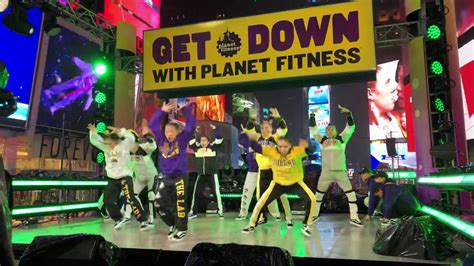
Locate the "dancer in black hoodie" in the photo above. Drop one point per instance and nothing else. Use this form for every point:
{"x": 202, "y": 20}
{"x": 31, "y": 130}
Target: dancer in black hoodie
{"x": 205, "y": 153}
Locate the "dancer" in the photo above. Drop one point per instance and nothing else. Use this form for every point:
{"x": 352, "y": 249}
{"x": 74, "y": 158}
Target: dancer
{"x": 207, "y": 167}
{"x": 398, "y": 201}
{"x": 265, "y": 174}
{"x": 144, "y": 170}
{"x": 372, "y": 178}
{"x": 116, "y": 147}
{"x": 333, "y": 150}
{"x": 250, "y": 184}
{"x": 287, "y": 165}
{"x": 172, "y": 143}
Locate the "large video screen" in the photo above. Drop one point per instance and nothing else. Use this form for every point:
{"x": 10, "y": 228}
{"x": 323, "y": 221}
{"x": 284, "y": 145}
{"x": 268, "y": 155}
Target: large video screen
{"x": 390, "y": 112}
{"x": 68, "y": 84}
{"x": 318, "y": 100}
{"x": 19, "y": 53}
{"x": 465, "y": 33}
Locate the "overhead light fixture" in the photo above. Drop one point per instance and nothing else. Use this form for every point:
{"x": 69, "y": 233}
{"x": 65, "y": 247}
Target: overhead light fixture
{"x": 50, "y": 25}
{"x": 17, "y": 20}
{"x": 4, "y": 5}
{"x": 8, "y": 103}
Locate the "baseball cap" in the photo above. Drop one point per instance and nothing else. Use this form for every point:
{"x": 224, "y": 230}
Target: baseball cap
{"x": 365, "y": 170}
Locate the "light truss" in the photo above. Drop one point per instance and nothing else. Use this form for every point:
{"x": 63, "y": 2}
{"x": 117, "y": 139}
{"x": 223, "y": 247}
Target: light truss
{"x": 78, "y": 15}
{"x": 396, "y": 34}
{"x": 132, "y": 64}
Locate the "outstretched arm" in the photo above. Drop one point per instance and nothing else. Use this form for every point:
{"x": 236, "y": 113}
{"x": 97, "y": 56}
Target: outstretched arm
{"x": 282, "y": 129}
{"x": 149, "y": 146}
{"x": 194, "y": 144}
{"x": 313, "y": 128}
{"x": 190, "y": 122}
{"x": 346, "y": 134}
{"x": 218, "y": 138}
{"x": 158, "y": 118}
{"x": 95, "y": 139}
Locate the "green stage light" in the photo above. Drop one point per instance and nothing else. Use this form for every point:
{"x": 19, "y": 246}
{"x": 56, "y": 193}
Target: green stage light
{"x": 402, "y": 175}
{"x": 101, "y": 127}
{"x": 236, "y": 196}
{"x": 100, "y": 98}
{"x": 35, "y": 211}
{"x": 439, "y": 105}
{"x": 456, "y": 223}
{"x": 433, "y": 32}
{"x": 57, "y": 183}
{"x": 100, "y": 157}
{"x": 436, "y": 68}
{"x": 100, "y": 69}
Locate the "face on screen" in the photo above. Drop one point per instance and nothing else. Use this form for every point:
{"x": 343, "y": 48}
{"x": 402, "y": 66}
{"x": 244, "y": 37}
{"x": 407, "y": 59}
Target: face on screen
{"x": 383, "y": 93}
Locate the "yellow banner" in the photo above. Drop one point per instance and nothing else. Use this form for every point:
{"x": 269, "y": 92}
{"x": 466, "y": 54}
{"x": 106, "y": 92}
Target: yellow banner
{"x": 303, "y": 44}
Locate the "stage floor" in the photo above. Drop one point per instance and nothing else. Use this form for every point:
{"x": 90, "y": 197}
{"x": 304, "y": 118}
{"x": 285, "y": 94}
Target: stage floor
{"x": 332, "y": 236}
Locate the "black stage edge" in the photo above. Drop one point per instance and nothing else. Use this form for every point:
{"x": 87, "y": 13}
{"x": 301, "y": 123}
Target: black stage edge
{"x": 175, "y": 257}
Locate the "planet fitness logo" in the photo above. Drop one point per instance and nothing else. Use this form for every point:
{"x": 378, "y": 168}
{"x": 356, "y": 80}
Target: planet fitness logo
{"x": 229, "y": 44}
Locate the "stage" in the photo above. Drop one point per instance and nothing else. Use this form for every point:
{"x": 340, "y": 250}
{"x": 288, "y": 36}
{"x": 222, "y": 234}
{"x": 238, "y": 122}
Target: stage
{"x": 332, "y": 237}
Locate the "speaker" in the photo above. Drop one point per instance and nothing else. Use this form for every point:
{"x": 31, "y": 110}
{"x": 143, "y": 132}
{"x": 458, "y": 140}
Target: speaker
{"x": 391, "y": 150}
{"x": 71, "y": 250}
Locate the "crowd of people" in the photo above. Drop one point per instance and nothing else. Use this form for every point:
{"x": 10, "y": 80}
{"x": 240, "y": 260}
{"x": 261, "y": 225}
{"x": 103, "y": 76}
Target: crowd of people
{"x": 275, "y": 169}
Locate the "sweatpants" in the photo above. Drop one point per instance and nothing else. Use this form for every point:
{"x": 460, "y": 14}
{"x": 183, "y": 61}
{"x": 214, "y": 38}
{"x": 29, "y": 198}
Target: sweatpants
{"x": 202, "y": 182}
{"x": 170, "y": 202}
{"x": 276, "y": 190}
{"x": 265, "y": 177}
{"x": 247, "y": 192}
{"x": 112, "y": 194}
{"x": 341, "y": 178}
{"x": 139, "y": 183}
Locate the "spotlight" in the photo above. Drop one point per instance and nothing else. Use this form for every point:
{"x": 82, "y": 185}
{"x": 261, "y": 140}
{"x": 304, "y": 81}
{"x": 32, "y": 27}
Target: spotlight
{"x": 7, "y": 103}
{"x": 17, "y": 20}
{"x": 100, "y": 69}
{"x": 51, "y": 26}
{"x": 100, "y": 98}
{"x": 4, "y": 5}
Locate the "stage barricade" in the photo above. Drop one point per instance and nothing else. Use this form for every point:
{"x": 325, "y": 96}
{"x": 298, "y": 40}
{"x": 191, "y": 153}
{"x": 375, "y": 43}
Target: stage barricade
{"x": 72, "y": 250}
{"x": 235, "y": 254}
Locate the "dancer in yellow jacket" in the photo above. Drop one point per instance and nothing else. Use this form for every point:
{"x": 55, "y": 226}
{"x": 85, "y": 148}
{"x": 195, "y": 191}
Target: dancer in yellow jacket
{"x": 265, "y": 174}
{"x": 287, "y": 166}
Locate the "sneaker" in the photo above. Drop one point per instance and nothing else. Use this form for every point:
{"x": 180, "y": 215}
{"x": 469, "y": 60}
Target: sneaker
{"x": 192, "y": 216}
{"x": 356, "y": 222}
{"x": 171, "y": 232}
{"x": 262, "y": 220}
{"x": 145, "y": 226}
{"x": 179, "y": 235}
{"x": 314, "y": 220}
{"x": 121, "y": 223}
{"x": 305, "y": 230}
{"x": 221, "y": 216}
{"x": 241, "y": 217}
{"x": 289, "y": 224}
{"x": 248, "y": 229}
{"x": 278, "y": 219}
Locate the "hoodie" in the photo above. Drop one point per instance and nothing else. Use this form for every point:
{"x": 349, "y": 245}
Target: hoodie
{"x": 173, "y": 157}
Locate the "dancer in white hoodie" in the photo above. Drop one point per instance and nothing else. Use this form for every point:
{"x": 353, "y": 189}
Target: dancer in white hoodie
{"x": 333, "y": 149}
{"x": 117, "y": 145}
